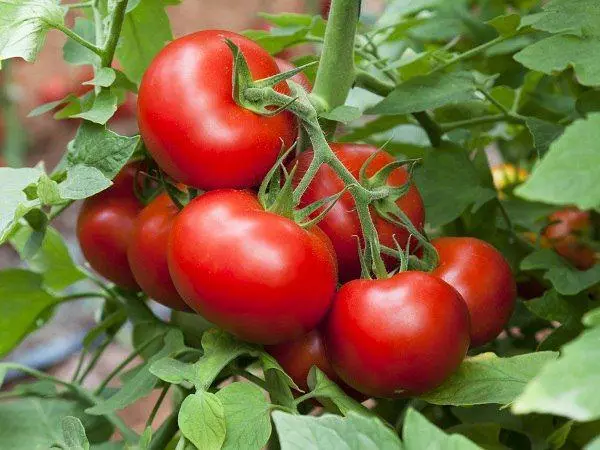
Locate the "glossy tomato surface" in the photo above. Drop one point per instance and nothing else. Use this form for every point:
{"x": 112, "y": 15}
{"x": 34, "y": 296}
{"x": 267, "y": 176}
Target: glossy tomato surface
{"x": 284, "y": 66}
{"x": 253, "y": 273}
{"x": 341, "y": 224}
{"x": 192, "y": 126}
{"x": 397, "y": 336}
{"x": 105, "y": 226}
{"x": 567, "y": 227}
{"x": 147, "y": 252}
{"x": 483, "y": 278}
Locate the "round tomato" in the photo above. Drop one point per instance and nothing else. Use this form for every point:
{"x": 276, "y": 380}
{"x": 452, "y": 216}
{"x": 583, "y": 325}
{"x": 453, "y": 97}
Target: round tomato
{"x": 147, "y": 252}
{"x": 253, "y": 273}
{"x": 299, "y": 355}
{"x": 105, "y": 226}
{"x": 190, "y": 122}
{"x": 341, "y": 223}
{"x": 563, "y": 234}
{"x": 483, "y": 278}
{"x": 401, "y": 335}
{"x": 285, "y": 66}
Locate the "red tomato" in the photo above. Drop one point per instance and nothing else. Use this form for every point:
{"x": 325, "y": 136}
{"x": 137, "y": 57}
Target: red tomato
{"x": 404, "y": 334}
{"x": 482, "y": 276}
{"x": 105, "y": 226}
{"x": 564, "y": 236}
{"x": 285, "y": 66}
{"x": 298, "y": 356}
{"x": 59, "y": 86}
{"x": 341, "y": 224}
{"x": 192, "y": 126}
{"x": 255, "y": 274}
{"x": 325, "y": 7}
{"x": 147, "y": 252}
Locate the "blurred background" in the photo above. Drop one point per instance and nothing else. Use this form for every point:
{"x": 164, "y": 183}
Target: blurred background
{"x": 26, "y": 141}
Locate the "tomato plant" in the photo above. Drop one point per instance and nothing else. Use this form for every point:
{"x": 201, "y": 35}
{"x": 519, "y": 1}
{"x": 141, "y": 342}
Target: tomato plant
{"x": 397, "y": 250}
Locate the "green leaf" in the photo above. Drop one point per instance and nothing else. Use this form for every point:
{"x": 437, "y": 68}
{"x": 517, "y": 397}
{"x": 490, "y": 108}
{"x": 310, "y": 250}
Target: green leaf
{"x": 575, "y": 43}
{"x": 76, "y": 53}
{"x": 486, "y": 378}
{"x": 354, "y": 432}
{"x": 103, "y": 108}
{"x": 344, "y": 114}
{"x": 95, "y": 146}
{"x": 553, "y": 306}
{"x": 47, "y": 191}
{"x": 269, "y": 363}
{"x": 172, "y": 371}
{"x": 573, "y": 153}
{"x": 36, "y": 423}
{"x": 202, "y": 420}
{"x": 24, "y": 24}
{"x": 22, "y": 300}
{"x": 419, "y": 434}
{"x": 568, "y": 386}
{"x": 449, "y": 170}
{"x": 566, "y": 279}
{"x": 50, "y": 106}
{"x": 13, "y": 201}
{"x": 82, "y": 181}
{"x": 220, "y": 348}
{"x": 506, "y": 25}
{"x": 247, "y": 416}
{"x": 135, "y": 52}
{"x": 279, "y": 388}
{"x": 588, "y": 102}
{"x": 52, "y": 261}
{"x": 427, "y": 92}
{"x": 74, "y": 434}
{"x": 105, "y": 77}
{"x": 330, "y": 393}
{"x": 143, "y": 382}
{"x": 543, "y": 133}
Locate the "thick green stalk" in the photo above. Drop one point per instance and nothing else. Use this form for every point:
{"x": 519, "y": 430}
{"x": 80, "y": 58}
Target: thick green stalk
{"x": 335, "y": 75}
{"x": 114, "y": 33}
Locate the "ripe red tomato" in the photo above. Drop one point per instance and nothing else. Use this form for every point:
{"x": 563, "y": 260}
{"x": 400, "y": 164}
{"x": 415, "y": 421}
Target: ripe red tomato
{"x": 483, "y": 278}
{"x": 341, "y": 224}
{"x": 404, "y": 334}
{"x": 105, "y": 226}
{"x": 192, "y": 126}
{"x": 564, "y": 236}
{"x": 285, "y": 66}
{"x": 147, "y": 252}
{"x": 255, "y": 274}
{"x": 299, "y": 355}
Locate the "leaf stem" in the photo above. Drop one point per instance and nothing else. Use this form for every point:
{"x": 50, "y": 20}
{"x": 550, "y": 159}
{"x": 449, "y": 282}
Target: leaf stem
{"x": 161, "y": 397}
{"x": 511, "y": 118}
{"x": 71, "y": 34}
{"x": 469, "y": 53}
{"x": 495, "y": 102}
{"x": 97, "y": 355}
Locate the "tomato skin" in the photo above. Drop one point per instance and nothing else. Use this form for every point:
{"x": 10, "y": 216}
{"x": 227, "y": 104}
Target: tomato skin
{"x": 299, "y": 355}
{"x": 405, "y": 333}
{"x": 192, "y": 126}
{"x": 147, "y": 252}
{"x": 285, "y": 66}
{"x": 255, "y": 274}
{"x": 563, "y": 236}
{"x": 341, "y": 224}
{"x": 483, "y": 278}
{"x": 105, "y": 226}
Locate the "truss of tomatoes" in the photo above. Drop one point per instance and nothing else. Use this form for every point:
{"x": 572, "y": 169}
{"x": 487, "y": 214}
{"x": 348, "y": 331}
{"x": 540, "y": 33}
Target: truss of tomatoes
{"x": 265, "y": 278}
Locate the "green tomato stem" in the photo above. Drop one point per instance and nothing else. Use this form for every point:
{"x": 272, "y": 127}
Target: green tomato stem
{"x": 335, "y": 75}
{"x": 71, "y": 34}
{"x": 114, "y": 33}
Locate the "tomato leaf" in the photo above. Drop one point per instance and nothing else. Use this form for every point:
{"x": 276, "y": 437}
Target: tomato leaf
{"x": 135, "y": 52}
{"x": 572, "y": 153}
{"x": 74, "y": 434}
{"x": 568, "y": 386}
{"x": 247, "y": 416}
{"x": 52, "y": 261}
{"x": 22, "y": 299}
{"x": 24, "y": 25}
{"x": 506, "y": 25}
{"x": 82, "y": 181}
{"x": 427, "y": 92}
{"x": 344, "y": 114}
{"x": 543, "y": 133}
{"x": 202, "y": 420}
{"x": 31, "y": 423}
{"x": 103, "y": 108}
{"x": 418, "y": 433}
{"x": 486, "y": 378}
{"x": 326, "y": 432}
{"x": 329, "y": 393}
{"x": 447, "y": 170}
{"x": 173, "y": 371}
{"x": 105, "y": 76}
{"x": 13, "y": 200}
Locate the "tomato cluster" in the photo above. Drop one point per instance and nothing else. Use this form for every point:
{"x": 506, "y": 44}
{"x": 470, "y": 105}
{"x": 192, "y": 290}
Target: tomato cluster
{"x": 262, "y": 276}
